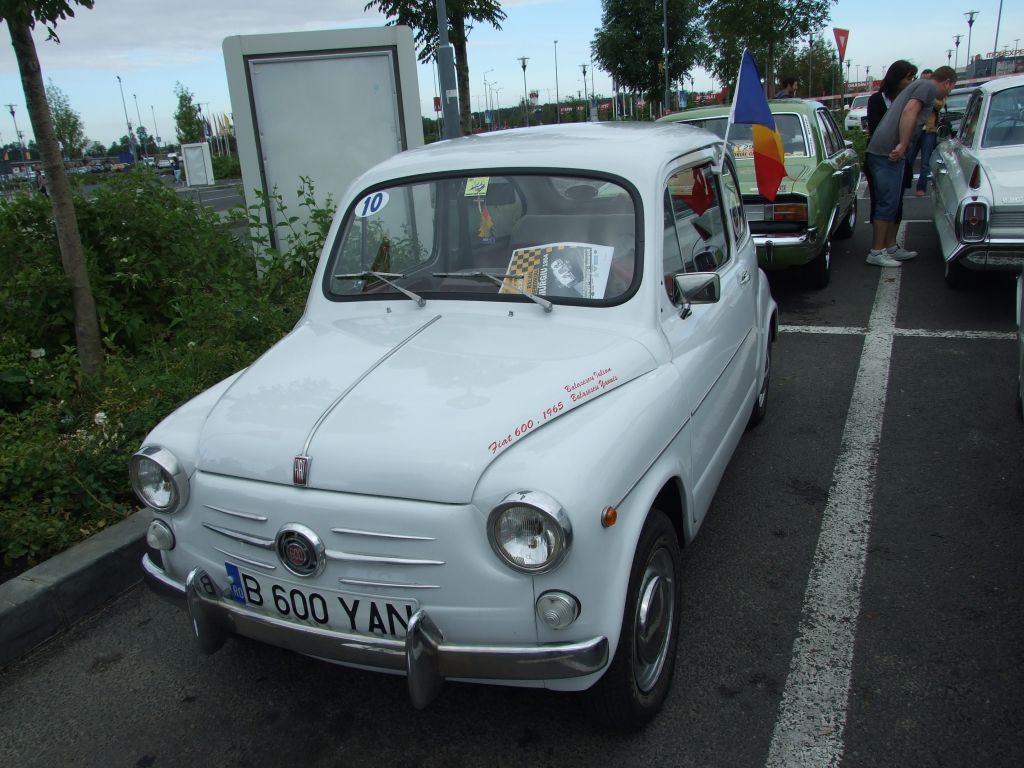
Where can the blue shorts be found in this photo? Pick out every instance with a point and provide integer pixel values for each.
(887, 177)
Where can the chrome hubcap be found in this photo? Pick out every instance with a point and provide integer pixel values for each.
(655, 613)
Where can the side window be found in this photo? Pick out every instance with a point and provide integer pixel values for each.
(837, 135)
(970, 121)
(693, 207)
(832, 145)
(734, 203)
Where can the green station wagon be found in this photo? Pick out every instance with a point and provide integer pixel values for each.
(816, 201)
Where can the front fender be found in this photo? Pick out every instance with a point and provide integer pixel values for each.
(618, 451)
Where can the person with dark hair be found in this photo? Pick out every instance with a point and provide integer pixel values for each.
(886, 155)
(900, 74)
(790, 85)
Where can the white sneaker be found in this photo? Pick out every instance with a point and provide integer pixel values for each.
(901, 253)
(881, 259)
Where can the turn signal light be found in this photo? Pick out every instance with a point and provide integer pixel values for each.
(788, 212)
(608, 517)
(975, 222)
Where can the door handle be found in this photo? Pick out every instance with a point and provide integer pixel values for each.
(940, 161)
(744, 277)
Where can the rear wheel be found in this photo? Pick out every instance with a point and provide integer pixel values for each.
(635, 685)
(816, 272)
(845, 230)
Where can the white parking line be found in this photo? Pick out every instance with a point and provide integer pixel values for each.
(812, 715)
(920, 333)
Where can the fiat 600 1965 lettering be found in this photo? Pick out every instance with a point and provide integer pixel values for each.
(525, 363)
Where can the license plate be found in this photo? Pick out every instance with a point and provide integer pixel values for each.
(326, 608)
(754, 212)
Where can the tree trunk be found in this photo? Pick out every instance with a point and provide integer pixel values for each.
(87, 331)
(458, 42)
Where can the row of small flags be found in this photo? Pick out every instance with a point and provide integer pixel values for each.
(220, 126)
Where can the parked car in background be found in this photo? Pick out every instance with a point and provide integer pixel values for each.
(525, 363)
(979, 183)
(164, 163)
(817, 200)
(953, 111)
(857, 116)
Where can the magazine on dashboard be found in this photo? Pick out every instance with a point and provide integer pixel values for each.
(577, 270)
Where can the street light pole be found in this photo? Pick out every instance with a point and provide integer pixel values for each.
(970, 27)
(664, 19)
(446, 69)
(586, 110)
(156, 130)
(956, 42)
(949, 56)
(999, 18)
(131, 139)
(17, 133)
(558, 109)
(138, 115)
(526, 96)
(487, 105)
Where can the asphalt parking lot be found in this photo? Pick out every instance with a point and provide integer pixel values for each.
(853, 598)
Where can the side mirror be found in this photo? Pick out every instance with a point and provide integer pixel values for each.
(697, 288)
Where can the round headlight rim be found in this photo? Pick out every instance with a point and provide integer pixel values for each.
(548, 507)
(169, 465)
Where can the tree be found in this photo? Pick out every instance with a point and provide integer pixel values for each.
(421, 17)
(67, 123)
(188, 125)
(630, 43)
(21, 17)
(769, 28)
(817, 68)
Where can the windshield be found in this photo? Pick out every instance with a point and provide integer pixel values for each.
(741, 136)
(957, 102)
(570, 239)
(1005, 124)
(860, 101)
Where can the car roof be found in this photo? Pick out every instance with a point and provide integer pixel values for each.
(777, 106)
(1002, 83)
(619, 148)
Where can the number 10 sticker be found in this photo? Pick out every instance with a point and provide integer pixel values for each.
(371, 204)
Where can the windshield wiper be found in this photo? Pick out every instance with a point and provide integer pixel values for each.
(383, 277)
(500, 281)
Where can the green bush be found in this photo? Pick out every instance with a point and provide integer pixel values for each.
(181, 307)
(226, 167)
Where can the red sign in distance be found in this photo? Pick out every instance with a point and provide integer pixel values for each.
(842, 38)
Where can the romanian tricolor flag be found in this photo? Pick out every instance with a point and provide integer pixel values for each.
(750, 107)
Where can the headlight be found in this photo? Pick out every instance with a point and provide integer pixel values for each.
(530, 531)
(158, 479)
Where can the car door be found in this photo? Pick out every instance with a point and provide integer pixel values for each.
(950, 168)
(842, 161)
(714, 346)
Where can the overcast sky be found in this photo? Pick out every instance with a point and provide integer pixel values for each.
(152, 44)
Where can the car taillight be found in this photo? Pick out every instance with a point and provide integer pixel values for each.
(786, 212)
(975, 181)
(974, 222)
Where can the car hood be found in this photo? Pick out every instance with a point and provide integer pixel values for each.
(1004, 168)
(412, 408)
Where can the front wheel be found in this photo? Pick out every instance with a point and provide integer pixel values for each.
(757, 414)
(633, 689)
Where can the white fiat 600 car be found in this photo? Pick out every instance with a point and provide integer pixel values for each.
(525, 362)
(979, 184)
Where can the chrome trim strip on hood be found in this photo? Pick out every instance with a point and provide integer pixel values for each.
(359, 380)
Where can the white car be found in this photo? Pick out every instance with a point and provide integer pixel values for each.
(465, 462)
(978, 205)
(857, 116)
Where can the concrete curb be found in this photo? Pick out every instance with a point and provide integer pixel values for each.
(49, 598)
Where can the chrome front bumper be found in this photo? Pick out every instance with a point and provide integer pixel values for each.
(424, 656)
